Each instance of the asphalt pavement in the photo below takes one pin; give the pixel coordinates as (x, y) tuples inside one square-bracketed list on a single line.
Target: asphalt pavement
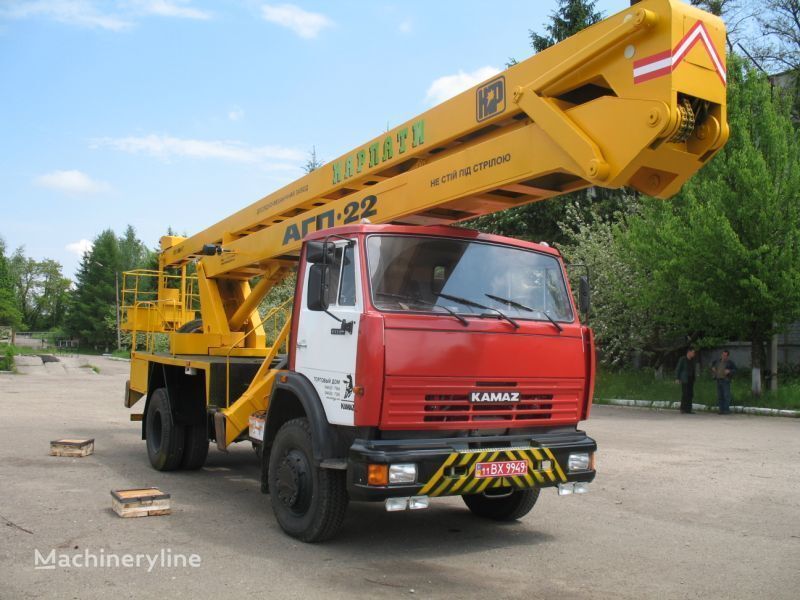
[(684, 506)]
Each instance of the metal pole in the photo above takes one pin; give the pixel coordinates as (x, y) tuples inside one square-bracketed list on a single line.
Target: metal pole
[(116, 290), (773, 363)]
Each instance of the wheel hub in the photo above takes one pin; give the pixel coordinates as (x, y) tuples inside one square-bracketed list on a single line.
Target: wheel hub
[(294, 482)]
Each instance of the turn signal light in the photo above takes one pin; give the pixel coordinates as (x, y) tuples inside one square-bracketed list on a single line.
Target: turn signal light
[(377, 474)]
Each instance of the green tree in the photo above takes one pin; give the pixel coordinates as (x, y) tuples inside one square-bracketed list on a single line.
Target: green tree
[(94, 298), (9, 310), (313, 163), (570, 17), (621, 326), (134, 254), (40, 289), (722, 259), (540, 221)]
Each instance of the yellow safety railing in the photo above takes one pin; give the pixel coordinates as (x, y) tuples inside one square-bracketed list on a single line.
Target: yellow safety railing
[(173, 296), (151, 330)]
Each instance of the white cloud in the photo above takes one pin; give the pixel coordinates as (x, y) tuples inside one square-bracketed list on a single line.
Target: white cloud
[(450, 85), (406, 26), (116, 16), (236, 114), (303, 23), (80, 247), (165, 147), (173, 8), (74, 182), (73, 12)]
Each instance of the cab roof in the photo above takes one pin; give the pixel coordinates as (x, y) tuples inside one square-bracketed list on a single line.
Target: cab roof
[(430, 230)]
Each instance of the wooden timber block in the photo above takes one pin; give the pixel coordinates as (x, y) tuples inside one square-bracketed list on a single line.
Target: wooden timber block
[(72, 447), (140, 502)]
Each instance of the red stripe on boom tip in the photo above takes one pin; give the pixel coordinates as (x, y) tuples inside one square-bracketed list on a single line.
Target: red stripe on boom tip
[(642, 62), (676, 58), (652, 75)]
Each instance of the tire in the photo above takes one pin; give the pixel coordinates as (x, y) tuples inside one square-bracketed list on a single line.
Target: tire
[(309, 503), (165, 438), (503, 508), (195, 326), (195, 449)]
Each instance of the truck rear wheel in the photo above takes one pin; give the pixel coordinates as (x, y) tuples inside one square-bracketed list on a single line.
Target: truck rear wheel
[(195, 449), (503, 508), (165, 438), (309, 502)]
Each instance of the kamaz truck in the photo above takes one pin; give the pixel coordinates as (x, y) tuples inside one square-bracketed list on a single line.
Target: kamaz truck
[(417, 358)]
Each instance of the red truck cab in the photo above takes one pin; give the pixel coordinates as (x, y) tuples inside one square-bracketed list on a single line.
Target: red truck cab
[(445, 362)]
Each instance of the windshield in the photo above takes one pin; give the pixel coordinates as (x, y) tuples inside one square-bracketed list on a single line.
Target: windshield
[(427, 274)]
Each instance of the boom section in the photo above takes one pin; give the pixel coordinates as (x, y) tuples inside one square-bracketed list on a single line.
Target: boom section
[(636, 100)]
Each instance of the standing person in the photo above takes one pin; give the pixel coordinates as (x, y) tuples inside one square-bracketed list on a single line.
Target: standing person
[(722, 371), (684, 374)]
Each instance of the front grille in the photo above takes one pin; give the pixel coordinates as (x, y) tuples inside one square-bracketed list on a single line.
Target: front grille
[(443, 403), (456, 408)]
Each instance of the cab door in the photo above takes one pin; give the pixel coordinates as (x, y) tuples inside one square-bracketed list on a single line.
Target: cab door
[(326, 347)]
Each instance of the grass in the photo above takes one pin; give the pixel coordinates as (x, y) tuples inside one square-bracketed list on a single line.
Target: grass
[(24, 350), (643, 385), (28, 351)]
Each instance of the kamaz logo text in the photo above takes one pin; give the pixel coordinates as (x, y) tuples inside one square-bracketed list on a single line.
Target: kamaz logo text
[(494, 397), (490, 99)]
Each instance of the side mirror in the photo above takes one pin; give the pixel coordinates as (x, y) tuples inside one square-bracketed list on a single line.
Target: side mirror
[(319, 277), (319, 252), (584, 295)]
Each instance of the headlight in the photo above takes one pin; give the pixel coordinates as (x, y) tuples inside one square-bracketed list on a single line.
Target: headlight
[(578, 462), (403, 473)]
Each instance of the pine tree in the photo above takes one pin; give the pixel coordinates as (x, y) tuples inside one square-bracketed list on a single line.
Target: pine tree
[(94, 298), (569, 18), (133, 253), (313, 163)]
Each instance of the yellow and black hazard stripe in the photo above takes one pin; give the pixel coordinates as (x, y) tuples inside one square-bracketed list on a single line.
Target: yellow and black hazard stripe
[(456, 475)]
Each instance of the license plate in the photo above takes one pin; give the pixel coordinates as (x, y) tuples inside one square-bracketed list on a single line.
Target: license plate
[(507, 468)]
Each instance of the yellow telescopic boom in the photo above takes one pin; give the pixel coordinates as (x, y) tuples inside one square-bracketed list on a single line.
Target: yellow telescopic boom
[(635, 100)]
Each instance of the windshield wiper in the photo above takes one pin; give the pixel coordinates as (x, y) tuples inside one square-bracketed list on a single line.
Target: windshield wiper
[(463, 321), (552, 320), (466, 302), (510, 302), (526, 308)]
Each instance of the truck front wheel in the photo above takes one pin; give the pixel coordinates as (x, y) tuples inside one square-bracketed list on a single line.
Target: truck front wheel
[(503, 508), (165, 438), (309, 502)]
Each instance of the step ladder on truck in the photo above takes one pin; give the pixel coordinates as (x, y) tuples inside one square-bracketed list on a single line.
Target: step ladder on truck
[(416, 359)]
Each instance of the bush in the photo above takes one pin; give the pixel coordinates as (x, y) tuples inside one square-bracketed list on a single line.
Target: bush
[(7, 359)]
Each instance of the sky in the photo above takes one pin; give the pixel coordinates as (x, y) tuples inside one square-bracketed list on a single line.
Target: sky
[(176, 113)]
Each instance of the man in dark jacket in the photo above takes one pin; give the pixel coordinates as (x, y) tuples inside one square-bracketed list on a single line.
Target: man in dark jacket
[(684, 374), (723, 370)]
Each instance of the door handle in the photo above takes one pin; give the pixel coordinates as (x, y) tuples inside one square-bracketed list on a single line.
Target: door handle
[(302, 344)]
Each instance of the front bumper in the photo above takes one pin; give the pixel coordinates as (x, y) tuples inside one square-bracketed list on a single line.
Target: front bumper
[(446, 467)]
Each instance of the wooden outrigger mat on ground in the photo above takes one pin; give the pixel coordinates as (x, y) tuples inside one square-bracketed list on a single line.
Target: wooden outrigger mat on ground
[(72, 447), (140, 502)]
